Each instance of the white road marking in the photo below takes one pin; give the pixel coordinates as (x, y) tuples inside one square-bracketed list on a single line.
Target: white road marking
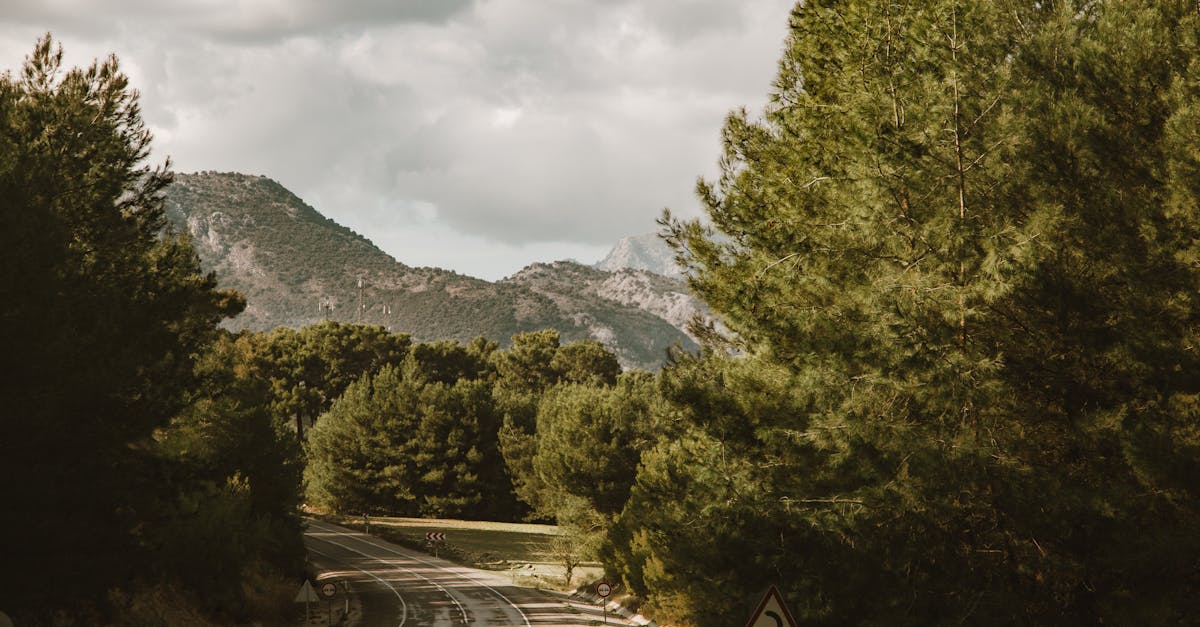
[(435, 584), (437, 566), (403, 605)]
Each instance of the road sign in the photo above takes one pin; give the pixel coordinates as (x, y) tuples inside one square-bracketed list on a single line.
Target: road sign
[(604, 589), (771, 612), (307, 594), (435, 536), (328, 590)]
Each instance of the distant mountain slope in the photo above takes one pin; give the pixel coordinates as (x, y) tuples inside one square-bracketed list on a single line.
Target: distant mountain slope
[(641, 252), (297, 267), (603, 301)]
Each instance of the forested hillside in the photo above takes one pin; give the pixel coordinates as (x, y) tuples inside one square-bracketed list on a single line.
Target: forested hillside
[(297, 267)]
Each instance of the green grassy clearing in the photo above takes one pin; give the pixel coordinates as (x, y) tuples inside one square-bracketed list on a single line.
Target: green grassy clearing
[(481, 542), (521, 549)]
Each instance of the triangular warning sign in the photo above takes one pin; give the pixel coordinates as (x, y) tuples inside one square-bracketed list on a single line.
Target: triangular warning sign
[(771, 612), (307, 594)]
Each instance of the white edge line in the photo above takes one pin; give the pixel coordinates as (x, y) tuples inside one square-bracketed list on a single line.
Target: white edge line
[(435, 584), (403, 605), (367, 539)]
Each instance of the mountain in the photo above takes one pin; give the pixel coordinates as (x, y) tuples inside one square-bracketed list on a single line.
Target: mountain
[(642, 252), (297, 267), (598, 298)]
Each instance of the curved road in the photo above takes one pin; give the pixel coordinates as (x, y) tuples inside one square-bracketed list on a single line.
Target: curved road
[(395, 587)]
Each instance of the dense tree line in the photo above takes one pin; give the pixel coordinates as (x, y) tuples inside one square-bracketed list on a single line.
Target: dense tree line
[(537, 430), (448, 431), (959, 253), (138, 462)]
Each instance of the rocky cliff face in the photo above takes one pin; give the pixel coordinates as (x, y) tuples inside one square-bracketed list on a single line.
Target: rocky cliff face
[(297, 267), (642, 252), (580, 288)]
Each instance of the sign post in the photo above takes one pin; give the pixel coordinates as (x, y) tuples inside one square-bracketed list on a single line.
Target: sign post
[(306, 595), (434, 538), (329, 590), (604, 589)]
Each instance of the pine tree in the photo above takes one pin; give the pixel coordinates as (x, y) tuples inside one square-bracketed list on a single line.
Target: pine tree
[(401, 444), (362, 452), (104, 312), (533, 364), (589, 440), (963, 231), (310, 367)]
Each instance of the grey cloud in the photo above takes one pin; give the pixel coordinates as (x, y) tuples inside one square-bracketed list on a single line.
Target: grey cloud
[(599, 140), (605, 137), (551, 175), (262, 23), (257, 22), (514, 122), (689, 20)]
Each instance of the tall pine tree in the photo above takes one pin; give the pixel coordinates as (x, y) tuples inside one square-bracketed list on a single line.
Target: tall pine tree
[(966, 232), (103, 315)]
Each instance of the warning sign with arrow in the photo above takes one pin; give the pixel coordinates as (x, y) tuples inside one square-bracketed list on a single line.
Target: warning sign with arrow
[(771, 612)]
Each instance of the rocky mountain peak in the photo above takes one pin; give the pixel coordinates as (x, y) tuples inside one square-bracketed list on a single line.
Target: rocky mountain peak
[(642, 252), (297, 267)]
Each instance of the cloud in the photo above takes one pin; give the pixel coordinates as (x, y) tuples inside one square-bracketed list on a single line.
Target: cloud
[(244, 21), (512, 126)]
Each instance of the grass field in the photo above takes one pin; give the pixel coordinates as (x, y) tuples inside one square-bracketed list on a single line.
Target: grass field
[(523, 550)]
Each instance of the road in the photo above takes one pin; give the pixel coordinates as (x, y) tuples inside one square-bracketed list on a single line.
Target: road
[(393, 586)]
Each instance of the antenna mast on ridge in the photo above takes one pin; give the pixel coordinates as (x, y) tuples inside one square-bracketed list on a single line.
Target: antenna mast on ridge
[(360, 300)]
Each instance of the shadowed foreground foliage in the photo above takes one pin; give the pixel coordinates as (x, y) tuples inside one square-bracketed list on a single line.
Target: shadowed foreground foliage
[(135, 465)]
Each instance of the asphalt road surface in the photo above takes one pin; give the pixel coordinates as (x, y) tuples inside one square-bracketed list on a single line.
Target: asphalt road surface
[(392, 586)]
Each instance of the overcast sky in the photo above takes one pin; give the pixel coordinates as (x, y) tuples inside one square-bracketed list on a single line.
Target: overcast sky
[(478, 136)]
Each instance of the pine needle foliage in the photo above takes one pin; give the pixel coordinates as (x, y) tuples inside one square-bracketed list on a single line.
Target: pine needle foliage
[(960, 253), (109, 329)]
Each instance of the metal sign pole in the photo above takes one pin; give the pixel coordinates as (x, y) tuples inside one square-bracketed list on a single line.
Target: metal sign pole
[(603, 589), (307, 595)]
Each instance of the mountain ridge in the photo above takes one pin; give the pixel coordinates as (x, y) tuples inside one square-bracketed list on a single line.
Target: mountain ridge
[(298, 267)]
